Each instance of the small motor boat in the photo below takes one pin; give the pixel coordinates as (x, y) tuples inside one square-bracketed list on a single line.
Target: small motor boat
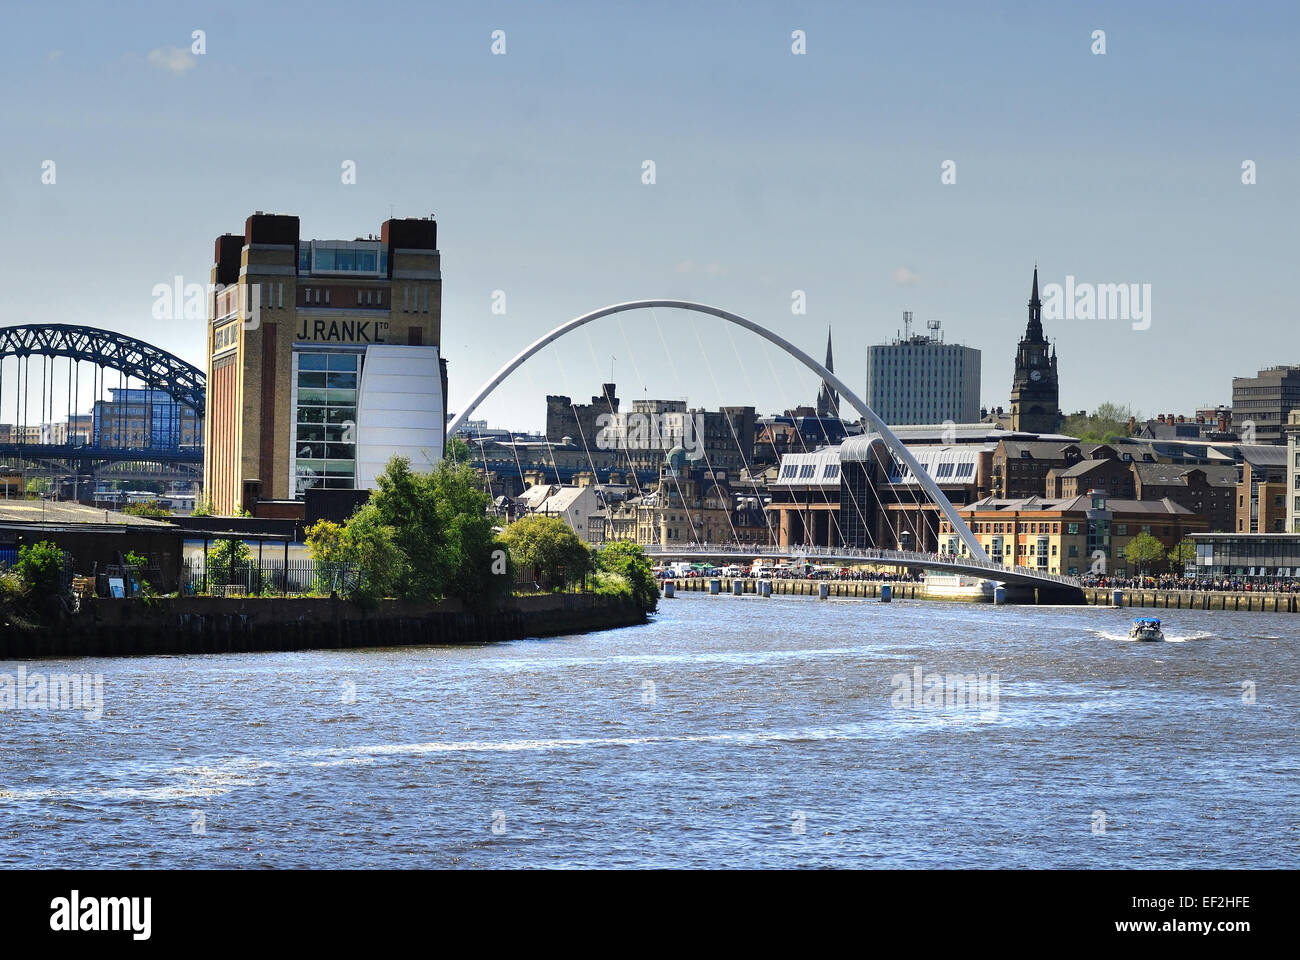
[(1146, 628)]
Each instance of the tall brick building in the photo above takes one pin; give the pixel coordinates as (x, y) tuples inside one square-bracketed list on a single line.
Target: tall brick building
[(323, 359)]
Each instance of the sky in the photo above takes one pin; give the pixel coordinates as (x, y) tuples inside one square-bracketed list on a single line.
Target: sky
[(774, 172)]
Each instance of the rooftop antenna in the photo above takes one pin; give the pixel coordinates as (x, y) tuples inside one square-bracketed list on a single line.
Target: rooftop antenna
[(907, 324), (934, 326)]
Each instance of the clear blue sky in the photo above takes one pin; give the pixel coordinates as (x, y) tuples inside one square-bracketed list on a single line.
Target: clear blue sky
[(775, 173)]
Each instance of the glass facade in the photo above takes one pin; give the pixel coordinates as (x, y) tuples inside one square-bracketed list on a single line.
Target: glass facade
[(325, 446), (143, 418), (331, 256), (1247, 556)]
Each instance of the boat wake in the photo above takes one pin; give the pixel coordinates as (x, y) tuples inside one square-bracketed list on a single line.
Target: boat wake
[(1169, 638)]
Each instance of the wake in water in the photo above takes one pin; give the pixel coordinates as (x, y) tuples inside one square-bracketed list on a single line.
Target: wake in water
[(1169, 637)]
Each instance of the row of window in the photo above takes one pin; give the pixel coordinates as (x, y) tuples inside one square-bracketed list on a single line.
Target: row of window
[(807, 471), (325, 428), (366, 298)]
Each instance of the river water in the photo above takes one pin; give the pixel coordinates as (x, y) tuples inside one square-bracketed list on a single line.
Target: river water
[(738, 732)]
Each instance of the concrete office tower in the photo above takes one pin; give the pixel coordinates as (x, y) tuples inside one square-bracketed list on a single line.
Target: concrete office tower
[(920, 379)]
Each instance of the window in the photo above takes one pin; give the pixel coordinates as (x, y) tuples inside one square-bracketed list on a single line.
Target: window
[(325, 429)]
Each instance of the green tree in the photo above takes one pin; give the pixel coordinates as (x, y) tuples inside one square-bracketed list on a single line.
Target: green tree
[(404, 501), (373, 547), (229, 562), (439, 523), (40, 567), (1105, 424), (473, 562), (361, 556), (548, 546), (1181, 554), (1143, 550), (628, 560), (457, 451)]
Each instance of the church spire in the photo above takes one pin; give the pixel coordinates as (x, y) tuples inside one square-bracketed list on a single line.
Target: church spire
[(1034, 332), (828, 400)]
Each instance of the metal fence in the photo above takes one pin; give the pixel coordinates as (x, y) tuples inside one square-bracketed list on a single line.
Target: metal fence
[(270, 578)]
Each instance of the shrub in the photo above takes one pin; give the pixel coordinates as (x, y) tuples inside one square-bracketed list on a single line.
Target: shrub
[(152, 510), (548, 546), (40, 566), (629, 561), (13, 602)]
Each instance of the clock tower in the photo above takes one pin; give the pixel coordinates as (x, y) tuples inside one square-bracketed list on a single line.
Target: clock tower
[(1035, 393)]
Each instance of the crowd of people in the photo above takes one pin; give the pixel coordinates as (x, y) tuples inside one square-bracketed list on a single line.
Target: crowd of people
[(1171, 582)]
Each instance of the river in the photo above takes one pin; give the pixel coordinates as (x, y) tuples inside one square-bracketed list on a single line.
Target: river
[(737, 732)]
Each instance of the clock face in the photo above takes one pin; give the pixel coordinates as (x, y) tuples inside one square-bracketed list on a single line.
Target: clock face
[(1036, 375)]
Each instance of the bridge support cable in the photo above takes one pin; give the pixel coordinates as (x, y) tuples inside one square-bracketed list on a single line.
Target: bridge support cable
[(744, 457), (636, 369), (582, 434), (609, 402), (776, 454), (868, 462), (806, 515), (677, 379), (546, 437), (704, 447), (514, 447), (884, 511)]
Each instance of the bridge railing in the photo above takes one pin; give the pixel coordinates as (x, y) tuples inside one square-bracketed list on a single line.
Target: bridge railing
[(857, 553)]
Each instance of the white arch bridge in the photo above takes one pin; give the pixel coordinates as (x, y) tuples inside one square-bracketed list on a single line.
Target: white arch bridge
[(1058, 586), (977, 562)]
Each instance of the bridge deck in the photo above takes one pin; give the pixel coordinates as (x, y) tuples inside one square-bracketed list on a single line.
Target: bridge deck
[(900, 558), (53, 451)]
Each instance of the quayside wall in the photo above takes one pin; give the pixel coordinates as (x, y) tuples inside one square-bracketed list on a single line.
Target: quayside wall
[(1262, 602), (184, 625)]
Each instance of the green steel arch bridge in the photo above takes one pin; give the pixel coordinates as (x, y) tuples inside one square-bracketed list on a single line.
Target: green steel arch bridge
[(54, 390)]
